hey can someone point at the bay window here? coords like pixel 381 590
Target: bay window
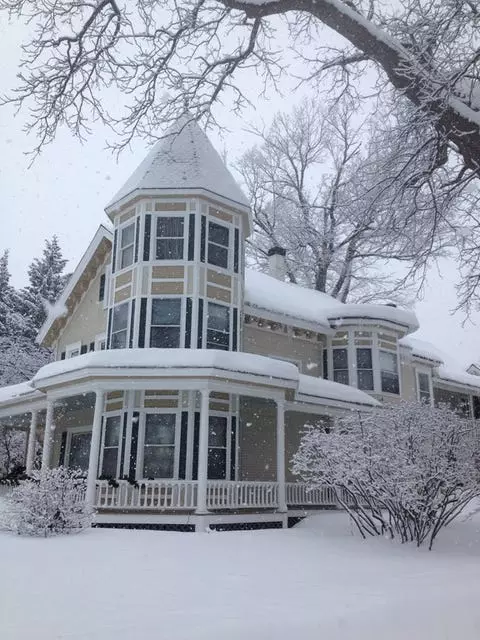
pixel 111 443
pixel 340 366
pixel 120 326
pixel 127 243
pixel 218 327
pixel 365 369
pixel 217 447
pixel 389 372
pixel 159 446
pixel 170 238
pixel 218 244
pixel 165 323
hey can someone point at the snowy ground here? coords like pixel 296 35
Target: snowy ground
pixel 314 582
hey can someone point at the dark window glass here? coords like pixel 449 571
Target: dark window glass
pixel 120 326
pixel 165 323
pixel 218 327
pixel 365 369
pixel 101 288
pixel 79 451
pixel 110 446
pixel 218 242
pixel 340 366
pixel 170 238
pixel 424 387
pixel 325 364
pixel 159 452
pixel 217 447
pixel 389 372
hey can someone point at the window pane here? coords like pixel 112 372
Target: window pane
pixel 80 451
pixel 218 317
pixel 390 382
pixel 166 312
pixel 341 376
pixel 364 359
pixel 127 257
pixel 217 431
pixel 165 337
pixel 170 227
pixel 158 462
pixel 128 235
pixel 424 383
pixel 365 379
pixel 217 256
pixel 388 361
pixel 217 340
pixel 119 340
pixel 217 464
pixel 218 234
pixel 340 359
pixel 112 431
pixel 109 466
pixel 169 249
pixel 160 428
pixel 120 317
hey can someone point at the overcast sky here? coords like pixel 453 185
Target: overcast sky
pixel 66 189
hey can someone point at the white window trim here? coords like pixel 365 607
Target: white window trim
pixel 118 257
pixel 70 348
pixel 230 249
pixel 153 236
pixel 99 338
pixel 111 414
pixel 183 314
pixel 141 440
pixel 230 308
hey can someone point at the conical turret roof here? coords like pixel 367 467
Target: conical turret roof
pixel 184 159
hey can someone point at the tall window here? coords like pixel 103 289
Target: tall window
pixel 79 455
pixel 217 447
pixel 120 326
pixel 127 242
pixel 365 369
pixel 218 243
pixel 165 323
pixel 340 365
pixel 170 238
pixel 101 288
pixel 111 444
pixel 159 451
pixel 218 327
pixel 424 387
pixel 389 372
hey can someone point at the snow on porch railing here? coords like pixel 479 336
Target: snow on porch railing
pixel 223 494
pixel 147 495
pixel 298 494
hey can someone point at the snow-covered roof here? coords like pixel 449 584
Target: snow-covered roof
pixel 18 392
pixel 423 349
pixel 310 386
pixel 183 159
pixel 266 293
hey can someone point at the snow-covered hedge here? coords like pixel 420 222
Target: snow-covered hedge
pixel 403 470
pixel 50 503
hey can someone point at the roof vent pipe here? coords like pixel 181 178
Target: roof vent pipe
pixel 277 266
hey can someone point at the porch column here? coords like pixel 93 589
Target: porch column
pixel 48 436
pixel 94 449
pixel 32 438
pixel 203 453
pixel 282 502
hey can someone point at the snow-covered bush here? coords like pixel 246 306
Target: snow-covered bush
pixel 403 470
pixel 50 503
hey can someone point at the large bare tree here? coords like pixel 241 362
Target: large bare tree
pixel 347 206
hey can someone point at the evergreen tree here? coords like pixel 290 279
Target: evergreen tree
pixel 46 283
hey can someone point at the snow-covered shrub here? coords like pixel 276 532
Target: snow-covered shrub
pixel 51 502
pixel 403 470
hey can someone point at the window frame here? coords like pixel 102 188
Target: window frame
pixel 148 332
pixel 154 236
pixel 228 332
pixel 70 350
pixel 361 369
pixel 127 329
pixel 230 230
pixel 71 432
pixel 334 369
pixel 113 414
pixel 228 443
pixel 419 371
pixel 381 370
pixel 120 250
pixel 141 440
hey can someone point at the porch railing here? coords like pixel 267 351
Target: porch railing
pixel 222 494
pixel 163 495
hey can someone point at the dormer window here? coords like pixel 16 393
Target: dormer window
pixel 218 243
pixel 127 243
pixel 170 238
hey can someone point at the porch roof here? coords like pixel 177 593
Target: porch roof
pixel 311 389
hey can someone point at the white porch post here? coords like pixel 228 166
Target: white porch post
pixel 94 450
pixel 48 435
pixel 203 453
pixel 282 502
pixel 32 433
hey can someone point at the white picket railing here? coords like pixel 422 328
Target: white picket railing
pixel 224 494
pixel 158 495
pixel 162 495
pixel 301 495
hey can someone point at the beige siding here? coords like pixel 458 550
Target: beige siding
pixel 88 320
pixel 281 345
